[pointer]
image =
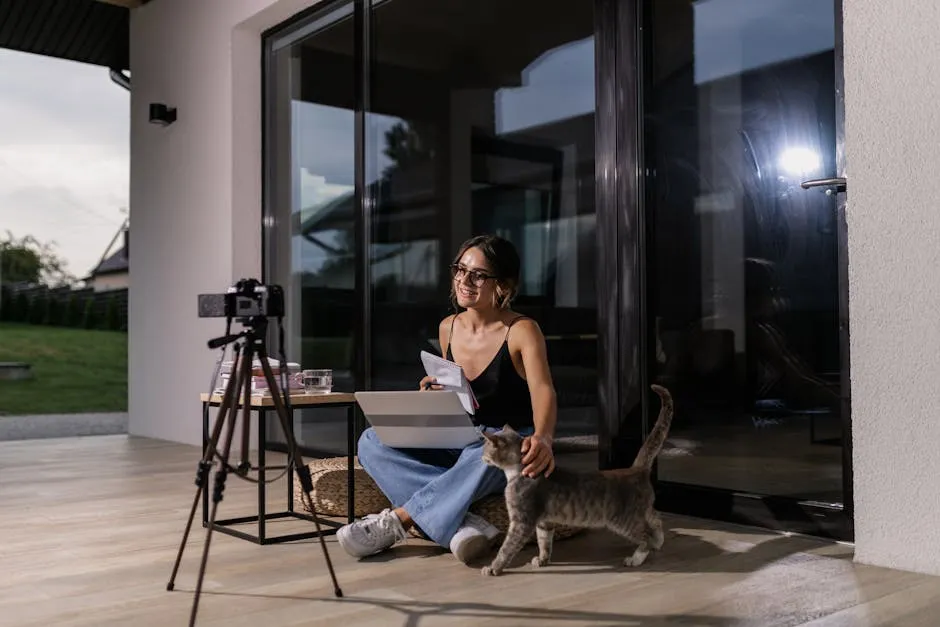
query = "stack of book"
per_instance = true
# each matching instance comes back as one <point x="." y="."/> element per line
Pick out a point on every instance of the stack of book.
<point x="259" y="386"/>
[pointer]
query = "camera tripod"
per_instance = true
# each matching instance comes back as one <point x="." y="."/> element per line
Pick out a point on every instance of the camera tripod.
<point x="248" y="344"/>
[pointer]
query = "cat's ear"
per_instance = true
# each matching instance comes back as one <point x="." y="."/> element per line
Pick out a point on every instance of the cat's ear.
<point x="489" y="436"/>
<point x="508" y="429"/>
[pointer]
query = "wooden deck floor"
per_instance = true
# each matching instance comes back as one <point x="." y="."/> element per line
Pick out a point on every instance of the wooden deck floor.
<point x="91" y="527"/>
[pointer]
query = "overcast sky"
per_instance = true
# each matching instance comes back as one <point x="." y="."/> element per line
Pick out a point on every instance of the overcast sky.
<point x="64" y="155"/>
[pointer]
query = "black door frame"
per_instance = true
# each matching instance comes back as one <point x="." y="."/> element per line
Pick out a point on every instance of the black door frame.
<point x="625" y="402"/>
<point x="621" y="335"/>
<point x="842" y="227"/>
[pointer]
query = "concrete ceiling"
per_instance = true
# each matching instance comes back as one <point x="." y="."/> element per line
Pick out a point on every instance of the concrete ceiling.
<point x="90" y="31"/>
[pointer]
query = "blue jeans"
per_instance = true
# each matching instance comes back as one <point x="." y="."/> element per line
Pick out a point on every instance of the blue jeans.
<point x="435" y="486"/>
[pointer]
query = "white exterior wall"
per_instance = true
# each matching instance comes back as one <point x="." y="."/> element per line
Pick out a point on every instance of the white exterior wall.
<point x="195" y="192"/>
<point x="196" y="195"/>
<point x="107" y="282"/>
<point x="893" y="157"/>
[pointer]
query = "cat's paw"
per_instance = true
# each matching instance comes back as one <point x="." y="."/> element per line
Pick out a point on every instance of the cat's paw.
<point x="636" y="559"/>
<point x="538" y="562"/>
<point x="489" y="571"/>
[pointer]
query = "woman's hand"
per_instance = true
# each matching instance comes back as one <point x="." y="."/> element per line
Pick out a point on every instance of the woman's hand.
<point x="537" y="456"/>
<point x="429" y="383"/>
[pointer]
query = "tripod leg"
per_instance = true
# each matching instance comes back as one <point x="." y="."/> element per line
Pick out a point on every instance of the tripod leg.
<point x="303" y="473"/>
<point x="220" y="476"/>
<point x="245" y="464"/>
<point x="205" y="464"/>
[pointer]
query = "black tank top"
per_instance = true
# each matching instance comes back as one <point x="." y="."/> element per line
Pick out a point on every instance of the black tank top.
<point x="502" y="394"/>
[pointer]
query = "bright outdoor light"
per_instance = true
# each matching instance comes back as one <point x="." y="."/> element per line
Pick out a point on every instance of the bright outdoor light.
<point x="799" y="161"/>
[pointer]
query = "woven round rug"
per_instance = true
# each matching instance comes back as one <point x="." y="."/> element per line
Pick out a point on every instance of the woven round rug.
<point x="329" y="489"/>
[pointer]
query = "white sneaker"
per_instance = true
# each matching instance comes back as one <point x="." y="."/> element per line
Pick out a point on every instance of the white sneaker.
<point x="373" y="534"/>
<point x="474" y="537"/>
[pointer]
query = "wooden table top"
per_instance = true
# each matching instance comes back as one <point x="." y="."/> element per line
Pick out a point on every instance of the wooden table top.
<point x="296" y="400"/>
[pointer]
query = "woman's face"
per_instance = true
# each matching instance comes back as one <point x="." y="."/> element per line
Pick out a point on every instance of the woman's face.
<point x="474" y="284"/>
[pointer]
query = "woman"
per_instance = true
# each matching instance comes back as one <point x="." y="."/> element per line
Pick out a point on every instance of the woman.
<point x="503" y="355"/>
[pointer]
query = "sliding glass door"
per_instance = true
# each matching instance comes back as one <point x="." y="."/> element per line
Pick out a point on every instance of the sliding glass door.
<point x="647" y="158"/>
<point x="744" y="312"/>
<point x="309" y="235"/>
<point x="395" y="132"/>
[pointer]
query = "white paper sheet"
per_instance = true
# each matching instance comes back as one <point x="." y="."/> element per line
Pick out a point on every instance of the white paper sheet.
<point x="451" y="377"/>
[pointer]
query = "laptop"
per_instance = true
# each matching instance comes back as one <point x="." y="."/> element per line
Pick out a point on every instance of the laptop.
<point x="416" y="419"/>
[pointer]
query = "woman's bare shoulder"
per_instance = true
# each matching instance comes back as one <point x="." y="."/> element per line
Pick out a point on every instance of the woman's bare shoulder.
<point x="525" y="329"/>
<point x="443" y="330"/>
<point x="446" y="322"/>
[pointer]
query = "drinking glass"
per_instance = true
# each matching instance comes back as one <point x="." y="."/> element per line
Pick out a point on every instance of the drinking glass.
<point x="318" y="381"/>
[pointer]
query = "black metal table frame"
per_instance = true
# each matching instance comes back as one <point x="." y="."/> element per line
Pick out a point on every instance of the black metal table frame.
<point x="328" y="527"/>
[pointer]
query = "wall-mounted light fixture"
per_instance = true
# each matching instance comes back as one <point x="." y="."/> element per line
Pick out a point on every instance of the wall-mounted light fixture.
<point x="162" y="114"/>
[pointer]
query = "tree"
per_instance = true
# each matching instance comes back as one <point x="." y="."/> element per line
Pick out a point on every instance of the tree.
<point x="405" y="147"/>
<point x="19" y="264"/>
<point x="28" y="260"/>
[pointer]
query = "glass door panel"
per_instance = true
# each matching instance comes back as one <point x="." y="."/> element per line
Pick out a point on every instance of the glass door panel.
<point x="310" y="183"/>
<point x="743" y="263"/>
<point x="473" y="128"/>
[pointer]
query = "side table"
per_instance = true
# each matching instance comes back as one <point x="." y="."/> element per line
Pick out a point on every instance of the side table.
<point x="264" y="406"/>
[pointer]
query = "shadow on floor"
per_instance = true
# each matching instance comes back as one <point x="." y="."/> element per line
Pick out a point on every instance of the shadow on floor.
<point x="684" y="551"/>
<point x="688" y="549"/>
<point x="413" y="612"/>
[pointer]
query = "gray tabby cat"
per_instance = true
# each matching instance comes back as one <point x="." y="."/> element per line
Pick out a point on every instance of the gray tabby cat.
<point x="621" y="501"/>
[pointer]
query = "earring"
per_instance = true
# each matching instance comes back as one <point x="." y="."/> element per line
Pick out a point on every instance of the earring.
<point x="499" y="298"/>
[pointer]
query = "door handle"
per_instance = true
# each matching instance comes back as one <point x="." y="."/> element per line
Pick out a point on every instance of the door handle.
<point x="835" y="185"/>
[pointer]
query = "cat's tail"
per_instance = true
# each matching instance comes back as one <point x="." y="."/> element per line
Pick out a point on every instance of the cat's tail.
<point x="657" y="437"/>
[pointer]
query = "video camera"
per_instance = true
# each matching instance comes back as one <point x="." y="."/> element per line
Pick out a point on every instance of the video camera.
<point x="248" y="298"/>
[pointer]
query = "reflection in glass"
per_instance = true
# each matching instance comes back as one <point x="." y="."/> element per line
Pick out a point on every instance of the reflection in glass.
<point x="742" y="261"/>
<point x="469" y="128"/>
<point x="473" y="128"/>
<point x="311" y="175"/>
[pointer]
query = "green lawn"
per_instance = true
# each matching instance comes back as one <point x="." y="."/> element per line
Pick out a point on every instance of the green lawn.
<point x="74" y="370"/>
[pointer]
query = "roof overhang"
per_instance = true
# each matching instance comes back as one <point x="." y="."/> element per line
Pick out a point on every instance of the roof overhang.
<point x="127" y="4"/>
<point x="89" y="31"/>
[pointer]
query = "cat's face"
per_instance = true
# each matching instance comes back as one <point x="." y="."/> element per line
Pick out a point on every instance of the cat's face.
<point x="503" y="449"/>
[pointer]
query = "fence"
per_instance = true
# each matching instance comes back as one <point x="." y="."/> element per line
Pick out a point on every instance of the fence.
<point x="65" y="307"/>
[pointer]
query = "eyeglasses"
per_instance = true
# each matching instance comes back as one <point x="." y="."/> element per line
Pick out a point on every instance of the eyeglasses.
<point x="475" y="277"/>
